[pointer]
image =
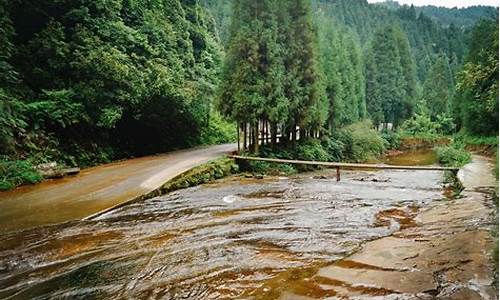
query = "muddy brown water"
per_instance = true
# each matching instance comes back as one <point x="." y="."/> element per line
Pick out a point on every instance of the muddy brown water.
<point x="415" y="157"/>
<point x="235" y="238"/>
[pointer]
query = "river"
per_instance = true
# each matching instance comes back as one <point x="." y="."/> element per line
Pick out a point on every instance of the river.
<point x="235" y="238"/>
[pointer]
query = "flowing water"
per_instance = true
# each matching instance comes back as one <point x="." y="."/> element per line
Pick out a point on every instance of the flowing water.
<point x="235" y="238"/>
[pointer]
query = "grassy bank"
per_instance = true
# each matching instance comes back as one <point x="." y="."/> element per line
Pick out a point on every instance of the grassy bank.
<point x="202" y="174"/>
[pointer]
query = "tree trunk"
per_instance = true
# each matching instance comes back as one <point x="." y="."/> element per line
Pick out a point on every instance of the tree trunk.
<point x="238" y="126"/>
<point x="262" y="132"/>
<point x="274" y="134"/>
<point x="267" y="131"/>
<point x="256" y="137"/>
<point x="302" y="133"/>
<point x="245" y="136"/>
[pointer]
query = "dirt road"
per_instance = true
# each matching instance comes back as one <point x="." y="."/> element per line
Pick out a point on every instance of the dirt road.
<point x="97" y="188"/>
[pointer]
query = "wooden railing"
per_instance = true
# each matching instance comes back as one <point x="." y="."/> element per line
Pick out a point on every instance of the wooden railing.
<point x="338" y="165"/>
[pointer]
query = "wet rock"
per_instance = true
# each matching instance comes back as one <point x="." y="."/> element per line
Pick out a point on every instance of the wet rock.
<point x="379" y="281"/>
<point x="53" y="170"/>
<point x="373" y="179"/>
<point x="445" y="256"/>
<point x="478" y="173"/>
<point x="254" y="176"/>
<point x="405" y="219"/>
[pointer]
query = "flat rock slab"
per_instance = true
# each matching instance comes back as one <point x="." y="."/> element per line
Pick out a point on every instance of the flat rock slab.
<point x="380" y="281"/>
<point x="478" y="173"/>
<point x="445" y="256"/>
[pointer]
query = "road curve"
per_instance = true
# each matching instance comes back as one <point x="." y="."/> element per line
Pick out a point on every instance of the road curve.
<point x="97" y="188"/>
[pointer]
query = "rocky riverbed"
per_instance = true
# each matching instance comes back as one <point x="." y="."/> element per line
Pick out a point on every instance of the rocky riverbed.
<point x="387" y="235"/>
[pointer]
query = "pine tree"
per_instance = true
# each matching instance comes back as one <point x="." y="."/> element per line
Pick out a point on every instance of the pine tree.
<point x="385" y="81"/>
<point x="303" y="87"/>
<point x="408" y="67"/>
<point x="342" y="67"/>
<point x="437" y="88"/>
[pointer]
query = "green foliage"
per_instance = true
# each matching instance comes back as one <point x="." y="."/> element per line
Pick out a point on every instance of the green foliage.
<point x="334" y="147"/>
<point x="274" y="169"/>
<point x="361" y="142"/>
<point x="476" y="105"/>
<point x="437" y="89"/>
<point x="202" y="174"/>
<point x="421" y="125"/>
<point x="427" y="38"/>
<point x="465" y="16"/>
<point x="342" y="66"/>
<point x="12" y="122"/>
<point x="309" y="149"/>
<point x="84" y="82"/>
<point x="312" y="149"/>
<point x="453" y="155"/>
<point x="56" y="109"/>
<point x="357" y="142"/>
<point x="390" y="77"/>
<point x="477" y="140"/>
<point x="16" y="173"/>
<point x="138" y="77"/>
<point x="271" y="72"/>
<point x="218" y="131"/>
<point x="392" y="139"/>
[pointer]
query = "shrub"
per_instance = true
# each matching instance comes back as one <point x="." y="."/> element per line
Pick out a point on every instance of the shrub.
<point x="16" y="173"/>
<point x="218" y="131"/>
<point x="421" y="125"/>
<point x="392" y="139"/>
<point x="334" y="148"/>
<point x="453" y="155"/>
<point x="475" y="140"/>
<point x="361" y="142"/>
<point x="356" y="142"/>
<point x="312" y="149"/>
<point x="263" y="167"/>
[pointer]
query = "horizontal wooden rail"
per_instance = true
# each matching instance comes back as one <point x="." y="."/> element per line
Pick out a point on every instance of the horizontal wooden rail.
<point x="345" y="165"/>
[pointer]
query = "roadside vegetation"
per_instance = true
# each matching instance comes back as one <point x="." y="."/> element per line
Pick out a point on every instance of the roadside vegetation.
<point x="16" y="173"/>
<point x="202" y="174"/>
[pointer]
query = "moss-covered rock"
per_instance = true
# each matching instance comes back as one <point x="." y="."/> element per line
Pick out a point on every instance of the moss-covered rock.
<point x="205" y="173"/>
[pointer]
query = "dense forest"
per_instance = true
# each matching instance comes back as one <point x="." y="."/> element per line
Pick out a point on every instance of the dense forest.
<point x="105" y="78"/>
<point x="85" y="82"/>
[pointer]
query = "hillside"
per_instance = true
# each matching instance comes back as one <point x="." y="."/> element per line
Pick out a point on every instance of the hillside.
<point x="462" y="17"/>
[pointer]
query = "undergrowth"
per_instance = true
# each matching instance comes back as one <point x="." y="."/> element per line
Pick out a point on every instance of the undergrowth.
<point x="16" y="173"/>
<point x="454" y="155"/>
